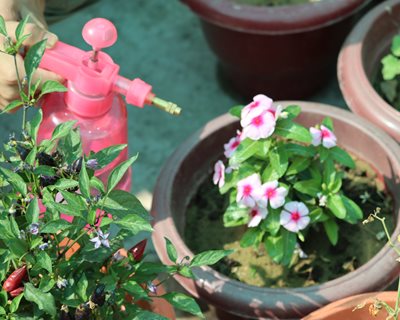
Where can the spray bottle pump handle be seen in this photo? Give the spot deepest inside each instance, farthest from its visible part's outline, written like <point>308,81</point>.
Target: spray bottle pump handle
<point>95,73</point>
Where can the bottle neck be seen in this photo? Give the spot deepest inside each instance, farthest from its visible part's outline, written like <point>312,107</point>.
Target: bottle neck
<point>85,105</point>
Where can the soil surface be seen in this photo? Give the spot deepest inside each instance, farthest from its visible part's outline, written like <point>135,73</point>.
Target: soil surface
<point>273,3</point>
<point>357,244</point>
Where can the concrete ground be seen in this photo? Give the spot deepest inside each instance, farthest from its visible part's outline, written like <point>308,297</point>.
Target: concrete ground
<point>161,42</point>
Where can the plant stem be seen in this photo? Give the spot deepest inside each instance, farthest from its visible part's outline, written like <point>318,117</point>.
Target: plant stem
<point>382,220</point>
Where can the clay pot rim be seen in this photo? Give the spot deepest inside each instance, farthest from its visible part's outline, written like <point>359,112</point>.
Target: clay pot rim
<point>345,303</point>
<point>274,20</point>
<point>352,75</point>
<point>206,275</point>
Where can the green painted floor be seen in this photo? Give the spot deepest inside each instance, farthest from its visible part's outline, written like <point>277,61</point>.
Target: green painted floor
<point>161,42</point>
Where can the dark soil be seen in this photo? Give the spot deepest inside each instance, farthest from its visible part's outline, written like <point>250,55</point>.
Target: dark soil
<point>357,244</point>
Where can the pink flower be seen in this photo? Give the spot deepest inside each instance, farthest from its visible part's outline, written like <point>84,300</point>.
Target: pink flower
<point>295,217</point>
<point>270,192</point>
<point>259,105</point>
<point>247,190</point>
<point>260,126</point>
<point>324,136</point>
<point>232,145</point>
<point>219,173</point>
<point>256,215</point>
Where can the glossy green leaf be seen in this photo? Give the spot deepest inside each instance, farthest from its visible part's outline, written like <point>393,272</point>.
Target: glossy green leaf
<point>121,203</point>
<point>236,111</point>
<point>280,248</point>
<point>34,124</point>
<point>395,47</point>
<point>32,213</point>
<point>293,111</point>
<point>118,173</point>
<point>391,67</point>
<point>107,155</point>
<point>64,184</point>
<point>134,289</point>
<point>52,86</point>
<point>332,230</point>
<point>171,250</point>
<point>19,31</point>
<point>291,130</point>
<point>208,258</point>
<point>12,105</point>
<point>335,204</point>
<point>272,223</point>
<point>184,303</point>
<point>15,180</point>
<point>33,58</point>
<point>45,171</point>
<point>251,237</point>
<point>82,286</point>
<point>63,129</point>
<point>15,303</point>
<point>97,184</point>
<point>353,212</point>
<point>298,165</point>
<point>309,187</point>
<point>244,151</point>
<point>45,301</point>
<point>134,224</point>
<point>389,89</point>
<point>235,216</point>
<point>342,157</point>
<point>3,29</point>
<point>231,179</point>
<point>84,181</point>
<point>43,261</point>
<point>327,122</point>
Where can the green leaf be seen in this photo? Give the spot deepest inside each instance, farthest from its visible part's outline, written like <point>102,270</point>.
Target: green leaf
<point>293,111</point>
<point>32,213</point>
<point>236,111</point>
<point>63,129</point>
<point>208,258</point>
<point>134,289</point>
<point>33,58</point>
<point>43,261</point>
<point>34,124</point>
<point>391,67</point>
<point>15,303</point>
<point>251,237</point>
<point>335,204</point>
<point>19,31</point>
<point>64,184</point>
<point>81,287</point>
<point>298,165</point>
<point>121,203</point>
<point>31,157</point>
<point>171,250</point>
<point>327,122</point>
<point>107,155</point>
<point>299,150</point>
<point>183,302</point>
<point>2,310</point>
<point>332,230</point>
<point>246,149</point>
<point>12,105</point>
<point>75,201</point>
<point>186,272</point>
<point>231,179</point>
<point>353,211</point>
<point>272,223</point>
<point>84,181</point>
<point>318,215</point>
<point>329,173</point>
<point>45,301</point>
<point>310,187</point>
<point>56,226</point>
<point>291,130</point>
<point>15,180</point>
<point>97,184</point>
<point>45,171</point>
<point>389,89</point>
<point>134,224</point>
<point>46,283</point>
<point>66,209</point>
<point>17,247</point>
<point>118,172</point>
<point>342,157</point>
<point>147,315</point>
<point>52,86</point>
<point>280,248</point>
<point>279,163</point>
<point>235,216</point>
<point>3,29</point>
<point>395,48</point>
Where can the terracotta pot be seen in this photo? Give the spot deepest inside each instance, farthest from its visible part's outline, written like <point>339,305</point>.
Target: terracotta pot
<point>359,63</point>
<point>287,51</point>
<point>343,309</point>
<point>195,158</point>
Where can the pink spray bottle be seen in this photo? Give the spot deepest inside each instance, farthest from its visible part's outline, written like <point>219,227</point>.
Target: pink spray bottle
<point>94,94</point>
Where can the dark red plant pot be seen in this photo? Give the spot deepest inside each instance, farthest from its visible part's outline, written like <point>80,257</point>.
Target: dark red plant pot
<point>287,51</point>
<point>359,64</point>
<point>194,160</point>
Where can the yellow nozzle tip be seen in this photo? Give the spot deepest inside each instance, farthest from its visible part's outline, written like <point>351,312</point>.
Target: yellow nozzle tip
<point>167,106</point>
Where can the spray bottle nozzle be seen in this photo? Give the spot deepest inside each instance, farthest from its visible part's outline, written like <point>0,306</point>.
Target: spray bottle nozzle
<point>94,74</point>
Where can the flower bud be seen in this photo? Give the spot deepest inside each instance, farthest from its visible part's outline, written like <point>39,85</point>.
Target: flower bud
<point>138,250</point>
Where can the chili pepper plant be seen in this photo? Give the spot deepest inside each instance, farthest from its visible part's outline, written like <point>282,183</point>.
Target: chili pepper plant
<point>54,269</point>
<point>283,179</point>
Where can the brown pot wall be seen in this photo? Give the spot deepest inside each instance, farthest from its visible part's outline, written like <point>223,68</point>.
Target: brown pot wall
<point>343,309</point>
<point>359,63</point>
<point>287,52</point>
<point>194,159</point>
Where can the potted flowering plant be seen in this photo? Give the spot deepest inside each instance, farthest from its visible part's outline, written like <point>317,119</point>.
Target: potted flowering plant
<point>266,48</point>
<point>54,269</point>
<point>367,79</point>
<point>283,179</point>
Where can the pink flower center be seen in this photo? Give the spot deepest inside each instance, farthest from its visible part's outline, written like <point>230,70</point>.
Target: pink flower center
<point>255,104</point>
<point>235,144</point>
<point>270,193</point>
<point>247,190</point>
<point>325,133</point>
<point>253,213</point>
<point>295,216</point>
<point>257,121</point>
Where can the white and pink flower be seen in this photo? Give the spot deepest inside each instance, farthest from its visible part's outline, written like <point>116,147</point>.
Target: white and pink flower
<point>248,190</point>
<point>219,174</point>
<point>232,145</point>
<point>257,214</point>
<point>272,194</point>
<point>294,217</point>
<point>260,126</point>
<point>323,136</point>
<point>260,104</point>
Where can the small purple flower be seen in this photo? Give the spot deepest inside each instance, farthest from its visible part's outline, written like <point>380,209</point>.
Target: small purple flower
<point>92,164</point>
<point>44,246</point>
<point>61,283</point>
<point>101,239</point>
<point>152,287</point>
<point>34,228</point>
